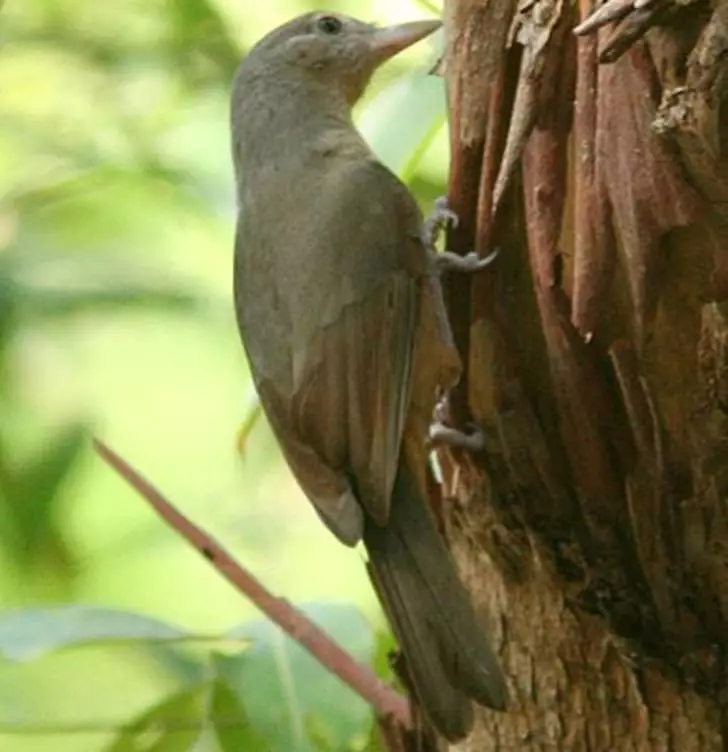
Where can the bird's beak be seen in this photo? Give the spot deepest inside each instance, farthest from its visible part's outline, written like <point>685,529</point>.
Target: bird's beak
<point>387,42</point>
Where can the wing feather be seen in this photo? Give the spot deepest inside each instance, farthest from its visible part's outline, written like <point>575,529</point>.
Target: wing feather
<point>354,393</point>
<point>353,363</point>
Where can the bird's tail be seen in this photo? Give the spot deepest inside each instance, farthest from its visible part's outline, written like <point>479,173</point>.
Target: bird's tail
<point>448,658</point>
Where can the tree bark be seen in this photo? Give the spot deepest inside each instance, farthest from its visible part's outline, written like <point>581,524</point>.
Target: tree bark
<point>593,528</point>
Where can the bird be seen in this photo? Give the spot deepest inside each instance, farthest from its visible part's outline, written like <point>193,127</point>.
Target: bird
<point>341,315</point>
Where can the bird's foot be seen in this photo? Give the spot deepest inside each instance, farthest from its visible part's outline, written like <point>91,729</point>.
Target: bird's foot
<point>448,261</point>
<point>442,435</point>
<point>441,217</point>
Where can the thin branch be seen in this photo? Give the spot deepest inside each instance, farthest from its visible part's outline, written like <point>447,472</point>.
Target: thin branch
<point>385,700</point>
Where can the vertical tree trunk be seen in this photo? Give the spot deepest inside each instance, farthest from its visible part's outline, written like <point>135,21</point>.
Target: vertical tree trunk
<point>593,528</point>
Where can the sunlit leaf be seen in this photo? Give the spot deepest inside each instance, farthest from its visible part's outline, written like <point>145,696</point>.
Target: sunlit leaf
<point>31,633</point>
<point>288,695</point>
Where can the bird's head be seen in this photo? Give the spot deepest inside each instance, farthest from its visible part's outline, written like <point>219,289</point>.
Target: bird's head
<point>334,49</point>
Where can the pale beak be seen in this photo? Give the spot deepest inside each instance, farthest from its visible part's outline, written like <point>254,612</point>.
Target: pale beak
<point>387,42</point>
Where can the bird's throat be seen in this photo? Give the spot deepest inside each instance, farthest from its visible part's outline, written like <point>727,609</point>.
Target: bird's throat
<point>294,124</point>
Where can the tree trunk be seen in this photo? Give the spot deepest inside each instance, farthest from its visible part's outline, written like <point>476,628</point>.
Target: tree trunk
<point>593,528</point>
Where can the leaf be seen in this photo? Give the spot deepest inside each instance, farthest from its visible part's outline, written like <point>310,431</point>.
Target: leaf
<point>401,120</point>
<point>31,493</point>
<point>174,725</point>
<point>206,741</point>
<point>234,731</point>
<point>200,27</point>
<point>288,695</point>
<point>29,634</point>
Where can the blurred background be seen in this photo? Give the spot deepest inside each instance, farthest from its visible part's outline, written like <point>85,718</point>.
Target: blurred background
<point>116,229</point>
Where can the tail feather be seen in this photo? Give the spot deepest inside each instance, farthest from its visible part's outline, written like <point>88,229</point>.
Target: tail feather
<point>448,656</point>
<point>447,708</point>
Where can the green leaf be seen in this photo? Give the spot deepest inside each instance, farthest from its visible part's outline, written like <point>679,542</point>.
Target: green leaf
<point>206,741</point>
<point>174,725</point>
<point>27,635</point>
<point>199,27</point>
<point>288,695</point>
<point>401,120</point>
<point>233,729</point>
<point>30,494</point>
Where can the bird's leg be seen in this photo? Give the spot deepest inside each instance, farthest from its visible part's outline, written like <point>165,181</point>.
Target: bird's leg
<point>448,261</point>
<point>441,434</point>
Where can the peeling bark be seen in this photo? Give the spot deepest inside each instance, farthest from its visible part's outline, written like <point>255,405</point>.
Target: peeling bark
<point>593,528</point>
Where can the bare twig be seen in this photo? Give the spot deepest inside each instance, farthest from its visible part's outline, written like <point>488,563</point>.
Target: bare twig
<point>385,700</point>
<point>632,19</point>
<point>613,10</point>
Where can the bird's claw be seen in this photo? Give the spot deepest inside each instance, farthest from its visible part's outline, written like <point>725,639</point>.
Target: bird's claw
<point>469,263</point>
<point>441,217</point>
<point>442,435</point>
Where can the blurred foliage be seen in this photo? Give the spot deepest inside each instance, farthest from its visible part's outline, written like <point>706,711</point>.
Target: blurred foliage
<point>272,695</point>
<point>116,222</point>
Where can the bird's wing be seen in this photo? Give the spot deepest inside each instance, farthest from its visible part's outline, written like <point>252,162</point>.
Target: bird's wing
<point>353,351</point>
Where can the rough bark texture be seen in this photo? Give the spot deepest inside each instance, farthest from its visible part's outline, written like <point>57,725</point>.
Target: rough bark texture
<point>593,529</point>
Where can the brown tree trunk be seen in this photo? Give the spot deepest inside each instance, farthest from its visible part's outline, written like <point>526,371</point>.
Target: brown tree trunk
<point>593,528</point>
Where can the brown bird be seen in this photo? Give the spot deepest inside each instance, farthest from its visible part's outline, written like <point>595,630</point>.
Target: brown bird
<point>340,310</point>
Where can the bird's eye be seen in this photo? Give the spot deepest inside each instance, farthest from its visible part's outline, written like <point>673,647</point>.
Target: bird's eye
<point>329,24</point>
